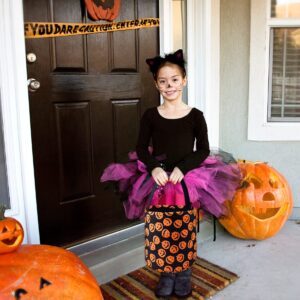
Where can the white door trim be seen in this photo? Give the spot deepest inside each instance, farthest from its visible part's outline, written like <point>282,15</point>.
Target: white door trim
<point>16,119</point>
<point>203,56</point>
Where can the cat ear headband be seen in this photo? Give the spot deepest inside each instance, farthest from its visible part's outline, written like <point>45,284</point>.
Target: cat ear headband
<point>175,58</point>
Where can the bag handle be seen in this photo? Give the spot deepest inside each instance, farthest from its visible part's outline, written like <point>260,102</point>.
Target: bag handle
<point>187,200</point>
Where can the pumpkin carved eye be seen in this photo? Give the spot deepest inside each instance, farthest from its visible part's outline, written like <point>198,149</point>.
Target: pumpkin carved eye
<point>19,292</point>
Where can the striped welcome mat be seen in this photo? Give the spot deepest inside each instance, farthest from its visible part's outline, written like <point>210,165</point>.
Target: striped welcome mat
<point>207,280</point>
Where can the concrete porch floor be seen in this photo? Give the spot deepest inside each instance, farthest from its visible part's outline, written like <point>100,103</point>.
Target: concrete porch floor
<point>268,270</point>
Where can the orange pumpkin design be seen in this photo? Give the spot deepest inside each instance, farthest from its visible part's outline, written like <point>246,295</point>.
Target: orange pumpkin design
<point>190,255</point>
<point>148,262</point>
<point>184,233</point>
<point>165,233</point>
<point>160,262</point>
<point>193,236</point>
<point>195,246</point>
<point>180,257</point>
<point>170,259</point>
<point>178,269</point>
<point>165,244</point>
<point>186,218</point>
<point>178,223</point>
<point>186,264</point>
<point>195,222</point>
<point>162,252</point>
<point>146,232</point>
<point>152,257</point>
<point>156,240</point>
<point>182,245</point>
<point>190,244</point>
<point>179,213</point>
<point>174,249</point>
<point>175,236</point>
<point>167,221</point>
<point>152,246</point>
<point>147,243</point>
<point>147,218</point>
<point>195,255</point>
<point>169,214</point>
<point>190,226</point>
<point>158,226</point>
<point>168,269</point>
<point>151,227</point>
<point>159,215</point>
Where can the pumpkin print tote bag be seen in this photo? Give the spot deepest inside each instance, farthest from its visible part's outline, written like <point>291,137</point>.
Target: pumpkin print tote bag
<point>170,236</point>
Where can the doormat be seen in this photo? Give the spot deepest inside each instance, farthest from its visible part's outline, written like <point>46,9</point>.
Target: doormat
<point>207,280</point>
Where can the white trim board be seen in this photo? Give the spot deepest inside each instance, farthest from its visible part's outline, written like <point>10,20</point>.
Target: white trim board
<point>203,57</point>
<point>16,119</point>
<point>203,62</point>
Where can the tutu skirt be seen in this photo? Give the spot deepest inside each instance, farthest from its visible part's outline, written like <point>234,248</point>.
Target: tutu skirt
<point>209,185</point>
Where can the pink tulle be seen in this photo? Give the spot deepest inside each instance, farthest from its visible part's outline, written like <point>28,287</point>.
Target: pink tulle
<point>209,185</point>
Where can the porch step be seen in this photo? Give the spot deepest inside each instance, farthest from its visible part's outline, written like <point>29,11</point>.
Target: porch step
<point>122,255</point>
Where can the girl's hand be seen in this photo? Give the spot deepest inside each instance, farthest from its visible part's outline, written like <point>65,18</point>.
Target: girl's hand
<point>159,175</point>
<point>176,176</point>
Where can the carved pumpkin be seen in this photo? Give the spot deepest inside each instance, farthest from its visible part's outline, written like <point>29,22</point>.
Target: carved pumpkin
<point>11,233</point>
<point>103,9</point>
<point>261,205</point>
<point>45,272</point>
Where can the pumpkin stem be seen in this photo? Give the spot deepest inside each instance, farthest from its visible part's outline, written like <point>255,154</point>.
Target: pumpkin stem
<point>2,211</point>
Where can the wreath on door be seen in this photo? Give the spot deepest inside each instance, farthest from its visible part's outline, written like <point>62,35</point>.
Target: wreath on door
<point>103,9</point>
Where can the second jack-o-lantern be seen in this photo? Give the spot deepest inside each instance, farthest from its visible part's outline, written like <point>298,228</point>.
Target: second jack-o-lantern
<point>261,205</point>
<point>45,272</point>
<point>11,233</point>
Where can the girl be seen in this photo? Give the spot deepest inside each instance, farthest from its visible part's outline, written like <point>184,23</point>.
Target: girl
<point>173,127</point>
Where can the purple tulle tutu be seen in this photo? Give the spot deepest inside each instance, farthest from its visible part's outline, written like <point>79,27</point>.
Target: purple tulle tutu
<point>209,185</point>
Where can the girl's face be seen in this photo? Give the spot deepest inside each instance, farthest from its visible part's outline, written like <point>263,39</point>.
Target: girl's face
<point>170,82</point>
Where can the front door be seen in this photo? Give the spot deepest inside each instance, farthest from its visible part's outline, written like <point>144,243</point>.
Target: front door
<point>93,90</point>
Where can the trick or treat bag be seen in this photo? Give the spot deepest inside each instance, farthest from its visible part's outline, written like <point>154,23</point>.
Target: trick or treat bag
<point>170,236</point>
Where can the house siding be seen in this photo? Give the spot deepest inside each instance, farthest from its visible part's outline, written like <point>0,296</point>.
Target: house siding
<point>234,89</point>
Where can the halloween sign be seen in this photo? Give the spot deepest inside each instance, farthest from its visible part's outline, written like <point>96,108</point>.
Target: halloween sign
<point>103,9</point>
<point>43,30</point>
<point>261,205</point>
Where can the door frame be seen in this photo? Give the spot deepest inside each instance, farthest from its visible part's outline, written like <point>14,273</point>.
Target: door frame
<point>203,20</point>
<point>16,119</point>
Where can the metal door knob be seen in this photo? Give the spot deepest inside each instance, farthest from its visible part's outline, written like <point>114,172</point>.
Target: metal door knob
<point>33,84</point>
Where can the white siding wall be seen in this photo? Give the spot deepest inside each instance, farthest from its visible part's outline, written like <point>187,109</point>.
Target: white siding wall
<point>234,85</point>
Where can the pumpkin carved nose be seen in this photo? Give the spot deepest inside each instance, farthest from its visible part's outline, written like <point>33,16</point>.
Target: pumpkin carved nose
<point>268,197</point>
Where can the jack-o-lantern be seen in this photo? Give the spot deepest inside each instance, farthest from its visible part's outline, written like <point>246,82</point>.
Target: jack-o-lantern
<point>103,9</point>
<point>45,272</point>
<point>11,233</point>
<point>261,205</point>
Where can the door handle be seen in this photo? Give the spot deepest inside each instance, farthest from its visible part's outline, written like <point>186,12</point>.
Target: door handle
<point>33,85</point>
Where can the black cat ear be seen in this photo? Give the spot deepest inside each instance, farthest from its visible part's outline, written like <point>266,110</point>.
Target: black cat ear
<point>150,61</point>
<point>179,54</point>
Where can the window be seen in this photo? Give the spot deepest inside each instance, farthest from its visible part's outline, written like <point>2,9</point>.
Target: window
<point>274,81</point>
<point>284,71</point>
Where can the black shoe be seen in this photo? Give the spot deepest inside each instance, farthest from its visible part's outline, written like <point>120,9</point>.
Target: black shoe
<point>166,285</point>
<point>183,284</point>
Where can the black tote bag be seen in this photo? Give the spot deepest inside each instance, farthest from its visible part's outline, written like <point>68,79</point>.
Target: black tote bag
<point>170,236</point>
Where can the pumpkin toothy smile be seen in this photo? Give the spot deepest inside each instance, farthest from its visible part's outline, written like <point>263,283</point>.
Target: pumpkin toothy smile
<point>9,242</point>
<point>264,213</point>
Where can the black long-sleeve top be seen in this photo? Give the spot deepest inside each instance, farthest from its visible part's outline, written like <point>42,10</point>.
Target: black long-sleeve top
<point>174,139</point>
